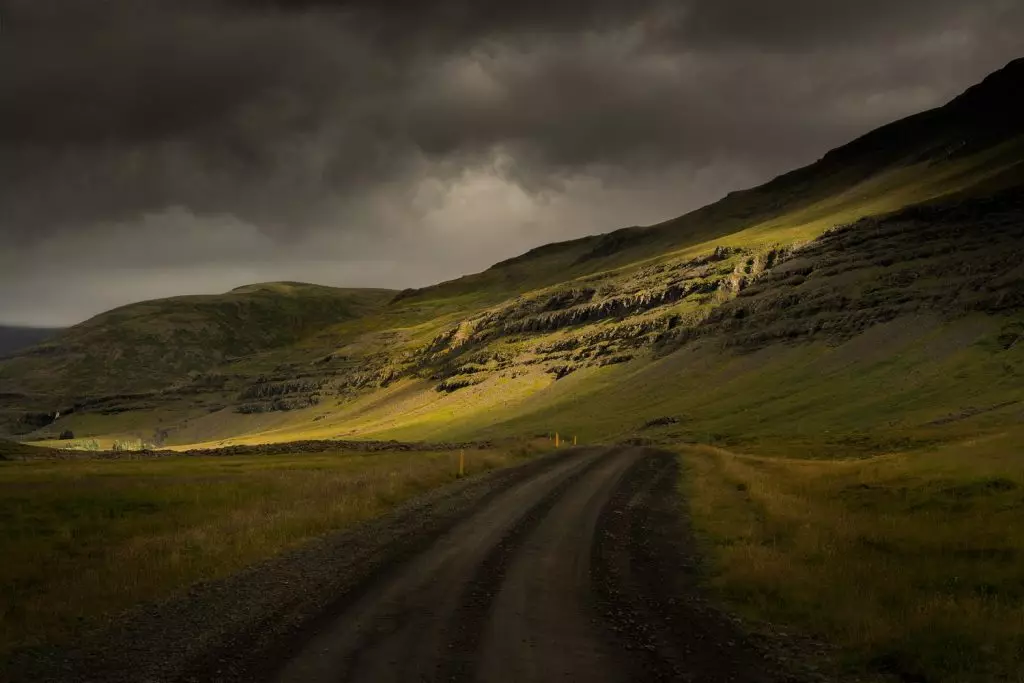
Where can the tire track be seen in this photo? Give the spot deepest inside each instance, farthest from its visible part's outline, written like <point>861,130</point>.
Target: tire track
<point>647,578</point>
<point>398,630</point>
<point>469,622</point>
<point>543,625</point>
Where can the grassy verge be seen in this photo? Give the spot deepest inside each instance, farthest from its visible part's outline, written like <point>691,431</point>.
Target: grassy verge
<point>84,539</point>
<point>911,563</point>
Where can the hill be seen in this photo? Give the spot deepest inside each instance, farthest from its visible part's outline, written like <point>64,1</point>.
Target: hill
<point>11,450</point>
<point>14,339</point>
<point>925,156</point>
<point>516,346</point>
<point>134,351</point>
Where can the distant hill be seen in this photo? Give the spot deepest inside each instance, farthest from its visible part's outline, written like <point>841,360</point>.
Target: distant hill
<point>17,338</point>
<point>915,226</point>
<point>11,450</point>
<point>150,345</point>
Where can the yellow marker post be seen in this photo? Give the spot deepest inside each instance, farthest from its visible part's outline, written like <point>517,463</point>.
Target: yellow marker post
<point>557,441</point>
<point>573,439</point>
<point>462,463</point>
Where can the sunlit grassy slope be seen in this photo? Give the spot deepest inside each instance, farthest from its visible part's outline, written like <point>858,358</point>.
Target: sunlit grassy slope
<point>910,382</point>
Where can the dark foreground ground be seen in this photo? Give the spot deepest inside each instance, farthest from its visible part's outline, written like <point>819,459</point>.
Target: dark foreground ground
<point>575,567</point>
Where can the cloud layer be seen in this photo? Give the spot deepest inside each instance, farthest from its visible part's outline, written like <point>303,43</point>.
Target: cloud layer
<point>155,147</point>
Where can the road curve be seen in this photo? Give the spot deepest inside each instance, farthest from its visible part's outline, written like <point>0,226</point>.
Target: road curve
<point>528,588</point>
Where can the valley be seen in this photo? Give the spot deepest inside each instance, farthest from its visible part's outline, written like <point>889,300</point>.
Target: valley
<point>828,369</point>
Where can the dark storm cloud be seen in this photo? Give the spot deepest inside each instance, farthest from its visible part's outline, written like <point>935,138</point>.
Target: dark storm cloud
<point>121,106</point>
<point>799,24</point>
<point>215,141</point>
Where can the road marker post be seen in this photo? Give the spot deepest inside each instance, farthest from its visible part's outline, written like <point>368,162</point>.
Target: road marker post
<point>557,441</point>
<point>462,463</point>
<point>573,439</point>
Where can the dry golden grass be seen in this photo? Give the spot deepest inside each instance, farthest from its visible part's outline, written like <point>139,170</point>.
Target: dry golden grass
<point>910,562</point>
<point>85,539</point>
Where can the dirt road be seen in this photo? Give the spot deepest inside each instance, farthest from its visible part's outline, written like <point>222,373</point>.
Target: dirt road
<point>510,594</point>
<point>574,567</point>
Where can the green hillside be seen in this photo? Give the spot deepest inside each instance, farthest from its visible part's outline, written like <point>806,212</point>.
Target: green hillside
<point>509,348</point>
<point>134,351</point>
<point>11,450</point>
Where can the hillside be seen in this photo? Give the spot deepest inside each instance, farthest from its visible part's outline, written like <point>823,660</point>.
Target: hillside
<point>10,450</point>
<point>142,348</point>
<point>917,221</point>
<point>912,160</point>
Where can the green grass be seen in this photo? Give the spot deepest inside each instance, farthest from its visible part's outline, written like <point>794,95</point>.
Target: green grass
<point>910,562</point>
<point>902,384</point>
<point>83,539</point>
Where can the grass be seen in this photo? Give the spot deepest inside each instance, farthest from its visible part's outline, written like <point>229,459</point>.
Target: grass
<point>84,539</point>
<point>910,562</point>
<point>12,450</point>
<point>900,385</point>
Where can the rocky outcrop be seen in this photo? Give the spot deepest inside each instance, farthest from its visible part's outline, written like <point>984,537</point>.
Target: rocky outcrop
<point>949,259</point>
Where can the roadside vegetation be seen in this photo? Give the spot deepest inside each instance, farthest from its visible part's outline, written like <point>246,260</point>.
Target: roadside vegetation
<point>911,563</point>
<point>83,539</point>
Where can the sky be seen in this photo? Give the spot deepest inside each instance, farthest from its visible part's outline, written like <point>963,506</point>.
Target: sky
<point>151,148</point>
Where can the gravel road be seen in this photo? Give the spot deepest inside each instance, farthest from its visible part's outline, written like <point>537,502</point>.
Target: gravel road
<point>574,567</point>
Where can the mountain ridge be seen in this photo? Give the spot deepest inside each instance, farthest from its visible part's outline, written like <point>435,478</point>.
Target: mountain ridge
<point>740,206</point>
